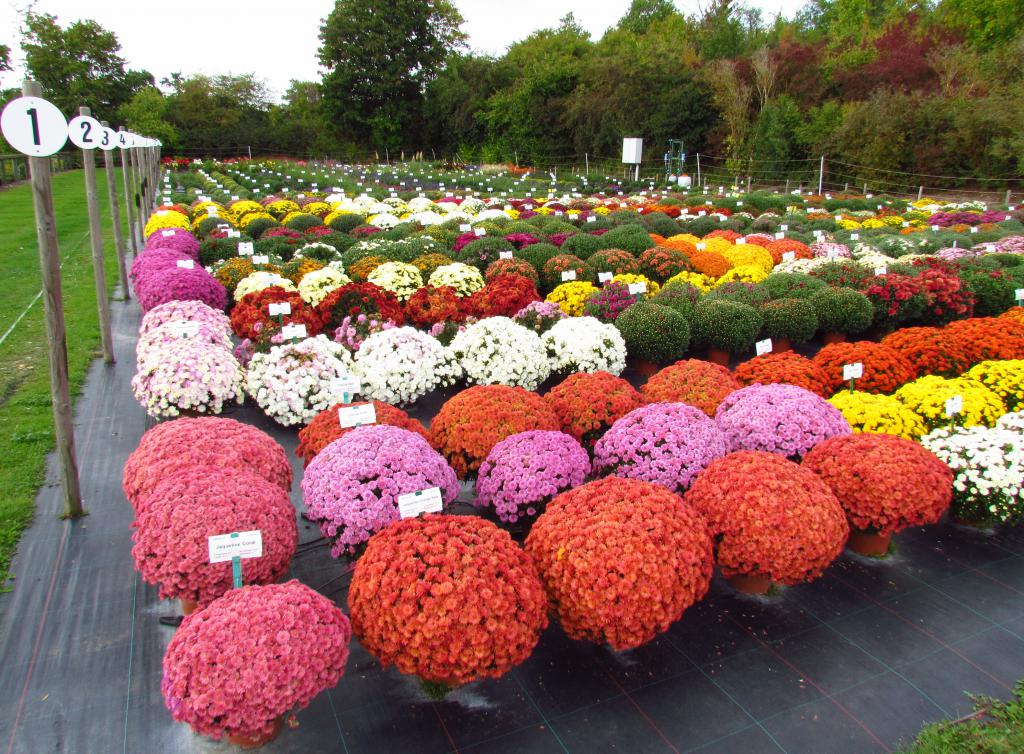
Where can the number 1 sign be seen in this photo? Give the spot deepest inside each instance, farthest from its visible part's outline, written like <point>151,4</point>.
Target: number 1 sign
<point>34,126</point>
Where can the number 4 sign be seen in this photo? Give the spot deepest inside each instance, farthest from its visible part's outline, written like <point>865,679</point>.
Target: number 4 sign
<point>34,126</point>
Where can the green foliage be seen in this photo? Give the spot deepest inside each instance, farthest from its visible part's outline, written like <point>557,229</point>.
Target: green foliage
<point>842,310</point>
<point>146,113</point>
<point>791,285</point>
<point>993,290</point>
<point>753,294</point>
<point>379,57</point>
<point>78,65</point>
<point>791,318</point>
<point>682,297</point>
<point>727,325</point>
<point>997,728</point>
<point>653,332</point>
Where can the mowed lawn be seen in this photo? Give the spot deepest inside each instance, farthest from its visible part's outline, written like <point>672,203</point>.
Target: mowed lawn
<point>26,422</point>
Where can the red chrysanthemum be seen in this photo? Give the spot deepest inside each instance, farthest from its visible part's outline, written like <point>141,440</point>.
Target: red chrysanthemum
<point>988,338</point>
<point>588,403</point>
<point>432,304</point>
<point>789,368</point>
<point>503,296</point>
<point>450,599</point>
<point>769,517</point>
<point>930,350</point>
<point>693,381</point>
<point>885,483</point>
<point>472,422</point>
<point>885,368</point>
<point>354,299</point>
<point>621,560</point>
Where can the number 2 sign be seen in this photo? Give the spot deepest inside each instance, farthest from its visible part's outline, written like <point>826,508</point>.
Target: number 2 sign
<point>85,132</point>
<point>34,126</point>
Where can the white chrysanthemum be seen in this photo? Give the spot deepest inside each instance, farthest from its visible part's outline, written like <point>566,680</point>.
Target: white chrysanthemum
<point>401,365</point>
<point>292,381</point>
<point>315,285</point>
<point>259,280</point>
<point>1013,422</point>
<point>398,277</point>
<point>187,375</point>
<point>464,278</point>
<point>497,351</point>
<point>323,250</point>
<point>491,214</point>
<point>585,344</point>
<point>420,204</point>
<point>383,220</point>
<point>426,218</point>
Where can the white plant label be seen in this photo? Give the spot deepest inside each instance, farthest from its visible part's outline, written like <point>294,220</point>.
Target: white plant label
<point>354,416</point>
<point>853,371</point>
<point>592,219</point>
<point>347,384</point>
<point>741,241</point>
<point>701,246</point>
<point>279,308</point>
<point>84,132</point>
<point>604,277</point>
<point>186,264</point>
<point>239,544</point>
<point>183,328</point>
<point>167,233</point>
<point>260,259</point>
<point>762,347</point>
<point>780,235</point>
<point>504,255</point>
<point>568,275</point>
<point>232,233</point>
<point>465,228</point>
<point>935,228</point>
<point>480,231</point>
<point>245,249</point>
<point>637,288</point>
<point>783,227</point>
<point>906,224</point>
<point>1019,294</point>
<point>954,405</point>
<point>292,332</point>
<point>788,256</point>
<point>974,229</point>
<point>881,270</point>
<point>423,501</point>
<point>34,126</point>
<point>855,236</point>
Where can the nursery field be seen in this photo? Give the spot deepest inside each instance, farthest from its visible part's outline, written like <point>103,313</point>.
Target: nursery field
<point>26,424</point>
<point>535,464</point>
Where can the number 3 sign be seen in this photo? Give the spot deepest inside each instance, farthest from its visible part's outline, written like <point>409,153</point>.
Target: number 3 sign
<point>34,126</point>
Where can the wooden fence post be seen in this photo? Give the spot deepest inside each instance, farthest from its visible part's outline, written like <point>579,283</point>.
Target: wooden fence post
<point>115,218</point>
<point>92,202</point>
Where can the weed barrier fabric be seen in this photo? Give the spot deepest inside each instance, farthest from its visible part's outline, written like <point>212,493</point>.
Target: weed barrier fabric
<point>858,659</point>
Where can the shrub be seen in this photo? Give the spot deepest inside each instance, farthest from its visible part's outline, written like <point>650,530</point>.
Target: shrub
<point>842,310</point>
<point>794,319</point>
<point>726,325</point>
<point>653,332</point>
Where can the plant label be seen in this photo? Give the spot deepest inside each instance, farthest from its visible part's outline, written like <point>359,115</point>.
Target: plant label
<point>239,544</point>
<point>167,233</point>
<point>354,416</point>
<point>293,332</point>
<point>245,249</point>
<point>954,405</point>
<point>260,259</point>
<point>780,235</point>
<point>701,213</point>
<point>183,328</point>
<point>559,213</point>
<point>853,371</point>
<point>279,308</point>
<point>422,501</point>
<point>974,229</point>
<point>741,241</point>
<point>504,255</point>
<point>232,233</point>
<point>604,277</point>
<point>881,270</point>
<point>990,248</point>
<point>783,227</point>
<point>345,386</point>
<point>480,231</point>
<point>185,264</point>
<point>905,224</point>
<point>637,288</point>
<point>568,275</point>
<point>762,347</point>
<point>34,126</point>
<point>701,246</point>
<point>788,256</point>
<point>465,228</point>
<point>935,228</point>
<point>592,219</point>
<point>1019,294</point>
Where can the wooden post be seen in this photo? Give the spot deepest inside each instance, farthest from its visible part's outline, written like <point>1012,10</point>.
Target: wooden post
<point>56,338</point>
<point>920,192</point>
<point>99,273</point>
<point>126,176</point>
<point>115,218</point>
<point>821,176</point>
<point>1008,195</point>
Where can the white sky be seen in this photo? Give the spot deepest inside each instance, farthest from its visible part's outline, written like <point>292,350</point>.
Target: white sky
<point>279,42</point>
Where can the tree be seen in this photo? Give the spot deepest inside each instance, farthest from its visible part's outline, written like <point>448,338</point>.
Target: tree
<point>456,99</point>
<point>380,55</point>
<point>985,23</point>
<point>220,115</point>
<point>642,13</point>
<point>765,73</point>
<point>773,140</point>
<point>731,95</point>
<point>79,65</point>
<point>146,114</point>
<point>299,126</point>
<point>5,58</point>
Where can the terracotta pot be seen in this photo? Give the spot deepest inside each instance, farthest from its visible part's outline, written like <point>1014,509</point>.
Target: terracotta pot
<point>868,542</point>
<point>718,356</point>
<point>834,337</point>
<point>750,583</point>
<point>255,742</point>
<point>188,606</point>
<point>643,367</point>
<point>781,345</point>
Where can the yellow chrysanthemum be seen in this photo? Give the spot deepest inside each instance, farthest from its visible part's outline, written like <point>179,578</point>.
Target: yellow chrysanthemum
<point>879,414</point>
<point>749,255</point>
<point>571,296</point>
<point>626,279</point>
<point>1004,378</point>
<point>164,219</point>
<point>927,398</point>
<point>744,273</point>
<point>701,282</point>
<point>247,218</point>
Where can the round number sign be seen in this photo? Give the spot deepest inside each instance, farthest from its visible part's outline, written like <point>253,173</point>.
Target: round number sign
<point>107,139</point>
<point>34,126</point>
<point>84,132</point>
<point>124,139</point>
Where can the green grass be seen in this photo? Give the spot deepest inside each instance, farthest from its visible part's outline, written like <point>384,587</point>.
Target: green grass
<point>26,422</point>
<point>996,728</point>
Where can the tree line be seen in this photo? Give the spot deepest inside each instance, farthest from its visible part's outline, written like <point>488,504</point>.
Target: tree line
<point>919,86</point>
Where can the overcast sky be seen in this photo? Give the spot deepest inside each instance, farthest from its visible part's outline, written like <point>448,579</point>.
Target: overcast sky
<point>278,42</point>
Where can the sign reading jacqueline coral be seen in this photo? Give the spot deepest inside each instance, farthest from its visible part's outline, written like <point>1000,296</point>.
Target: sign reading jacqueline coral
<point>853,371</point>
<point>354,416</point>
<point>239,544</point>
<point>423,501</point>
